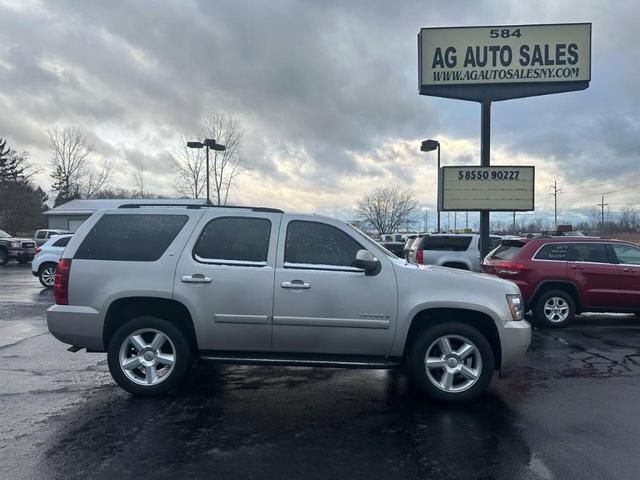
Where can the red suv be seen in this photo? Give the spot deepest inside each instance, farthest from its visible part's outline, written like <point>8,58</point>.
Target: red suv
<point>562,276</point>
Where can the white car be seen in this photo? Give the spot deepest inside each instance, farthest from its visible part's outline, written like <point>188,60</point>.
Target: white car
<point>44,263</point>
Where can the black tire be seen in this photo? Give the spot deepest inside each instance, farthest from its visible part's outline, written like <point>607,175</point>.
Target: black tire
<point>481,361</point>
<point>177,343</point>
<point>45,274</point>
<point>4,256</point>
<point>544,313</point>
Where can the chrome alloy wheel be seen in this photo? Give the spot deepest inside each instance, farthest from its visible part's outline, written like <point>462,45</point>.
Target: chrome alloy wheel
<point>48,275</point>
<point>556,309</point>
<point>147,357</point>
<point>453,363</point>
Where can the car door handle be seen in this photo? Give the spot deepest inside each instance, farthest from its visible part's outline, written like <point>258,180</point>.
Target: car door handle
<point>295,284</point>
<point>196,278</point>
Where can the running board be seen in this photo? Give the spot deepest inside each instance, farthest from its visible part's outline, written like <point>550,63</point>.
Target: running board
<point>360,362</point>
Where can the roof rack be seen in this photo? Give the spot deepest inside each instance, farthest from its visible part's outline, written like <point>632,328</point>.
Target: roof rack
<point>196,206</point>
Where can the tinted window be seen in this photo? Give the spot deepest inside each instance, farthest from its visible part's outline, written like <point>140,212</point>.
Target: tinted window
<point>494,242</point>
<point>41,234</point>
<point>507,250</point>
<point>553,251</point>
<point>588,252</point>
<point>627,254</point>
<point>51,234</point>
<point>234,239</point>
<point>142,238</point>
<point>62,242</point>
<point>319,244</point>
<point>453,244</point>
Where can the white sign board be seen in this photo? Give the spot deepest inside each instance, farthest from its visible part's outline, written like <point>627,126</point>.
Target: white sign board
<point>503,188</point>
<point>505,54</point>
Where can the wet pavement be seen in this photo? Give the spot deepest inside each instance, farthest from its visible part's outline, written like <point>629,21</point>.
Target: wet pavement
<point>570,410</point>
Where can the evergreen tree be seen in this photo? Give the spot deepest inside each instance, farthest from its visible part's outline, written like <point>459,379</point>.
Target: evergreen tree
<point>12,164</point>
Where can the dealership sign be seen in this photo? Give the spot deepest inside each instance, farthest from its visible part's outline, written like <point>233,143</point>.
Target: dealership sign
<point>532,59</point>
<point>504,188</point>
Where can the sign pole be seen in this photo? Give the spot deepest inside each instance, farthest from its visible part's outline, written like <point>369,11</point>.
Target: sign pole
<point>485,161</point>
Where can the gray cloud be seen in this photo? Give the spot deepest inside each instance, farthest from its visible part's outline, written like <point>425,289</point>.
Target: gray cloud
<point>333,80</point>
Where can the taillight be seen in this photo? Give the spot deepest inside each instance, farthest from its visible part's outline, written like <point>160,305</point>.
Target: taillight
<point>419,256</point>
<point>37,250</point>
<point>509,268</point>
<point>61,282</point>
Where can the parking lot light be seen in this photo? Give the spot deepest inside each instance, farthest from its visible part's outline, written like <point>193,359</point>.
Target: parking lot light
<point>208,143</point>
<point>429,146</point>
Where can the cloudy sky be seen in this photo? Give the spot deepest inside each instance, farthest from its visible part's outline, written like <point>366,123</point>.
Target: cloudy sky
<point>326,91</point>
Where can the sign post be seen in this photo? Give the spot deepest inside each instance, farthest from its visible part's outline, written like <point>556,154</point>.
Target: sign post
<point>488,64</point>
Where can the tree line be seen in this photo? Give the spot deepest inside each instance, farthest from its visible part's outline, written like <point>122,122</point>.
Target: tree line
<point>75,172</point>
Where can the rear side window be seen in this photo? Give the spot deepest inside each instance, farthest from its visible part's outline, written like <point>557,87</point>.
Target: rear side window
<point>452,244</point>
<point>139,238</point>
<point>62,242</point>
<point>319,244</point>
<point>553,251</point>
<point>507,250</point>
<point>588,252</point>
<point>234,239</point>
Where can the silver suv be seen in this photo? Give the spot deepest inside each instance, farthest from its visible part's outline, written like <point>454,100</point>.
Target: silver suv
<point>454,250</point>
<point>156,287</point>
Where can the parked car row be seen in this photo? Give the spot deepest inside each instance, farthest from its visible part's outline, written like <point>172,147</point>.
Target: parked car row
<point>559,276</point>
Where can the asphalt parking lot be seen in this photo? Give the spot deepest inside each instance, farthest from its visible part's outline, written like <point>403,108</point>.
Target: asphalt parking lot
<point>570,410</point>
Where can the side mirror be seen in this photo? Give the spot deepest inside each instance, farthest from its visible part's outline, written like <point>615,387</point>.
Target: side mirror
<point>366,261</point>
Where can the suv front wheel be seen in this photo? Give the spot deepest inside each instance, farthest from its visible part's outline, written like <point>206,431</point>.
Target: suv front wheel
<point>452,362</point>
<point>149,356</point>
<point>555,309</point>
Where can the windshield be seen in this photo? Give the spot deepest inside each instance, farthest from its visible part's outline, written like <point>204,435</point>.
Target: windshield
<point>376,244</point>
<point>4,234</point>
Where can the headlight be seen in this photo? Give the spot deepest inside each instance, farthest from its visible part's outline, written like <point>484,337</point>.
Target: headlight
<point>516,306</point>
<point>15,244</point>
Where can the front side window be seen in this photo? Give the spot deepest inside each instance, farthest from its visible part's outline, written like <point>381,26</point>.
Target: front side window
<point>139,237</point>
<point>627,254</point>
<point>588,252</point>
<point>234,239</point>
<point>317,243</point>
<point>41,234</point>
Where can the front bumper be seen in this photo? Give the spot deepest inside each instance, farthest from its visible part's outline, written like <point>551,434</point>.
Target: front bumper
<point>22,253</point>
<point>76,325</point>
<point>515,338</point>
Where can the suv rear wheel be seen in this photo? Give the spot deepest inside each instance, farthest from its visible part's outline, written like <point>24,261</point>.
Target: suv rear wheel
<point>554,309</point>
<point>4,256</point>
<point>149,356</point>
<point>451,362</point>
<point>47,275</point>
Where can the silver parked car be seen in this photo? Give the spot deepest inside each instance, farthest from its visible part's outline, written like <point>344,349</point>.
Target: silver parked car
<point>454,250</point>
<point>155,287</point>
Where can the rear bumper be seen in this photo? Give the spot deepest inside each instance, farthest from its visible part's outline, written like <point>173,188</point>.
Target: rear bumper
<point>515,338</point>
<point>76,325</point>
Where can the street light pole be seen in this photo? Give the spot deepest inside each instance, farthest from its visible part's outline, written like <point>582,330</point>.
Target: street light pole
<point>208,198</point>
<point>429,146</point>
<point>207,143</point>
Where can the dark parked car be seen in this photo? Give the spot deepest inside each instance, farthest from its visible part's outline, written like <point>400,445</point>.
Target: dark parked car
<point>22,249</point>
<point>562,276</point>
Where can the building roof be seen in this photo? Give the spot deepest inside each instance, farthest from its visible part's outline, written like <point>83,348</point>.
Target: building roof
<point>87,207</point>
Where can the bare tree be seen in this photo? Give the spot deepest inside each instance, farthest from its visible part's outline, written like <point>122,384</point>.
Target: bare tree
<point>73,176</point>
<point>191,168</point>
<point>387,208</point>
<point>224,166</point>
<point>138,177</point>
